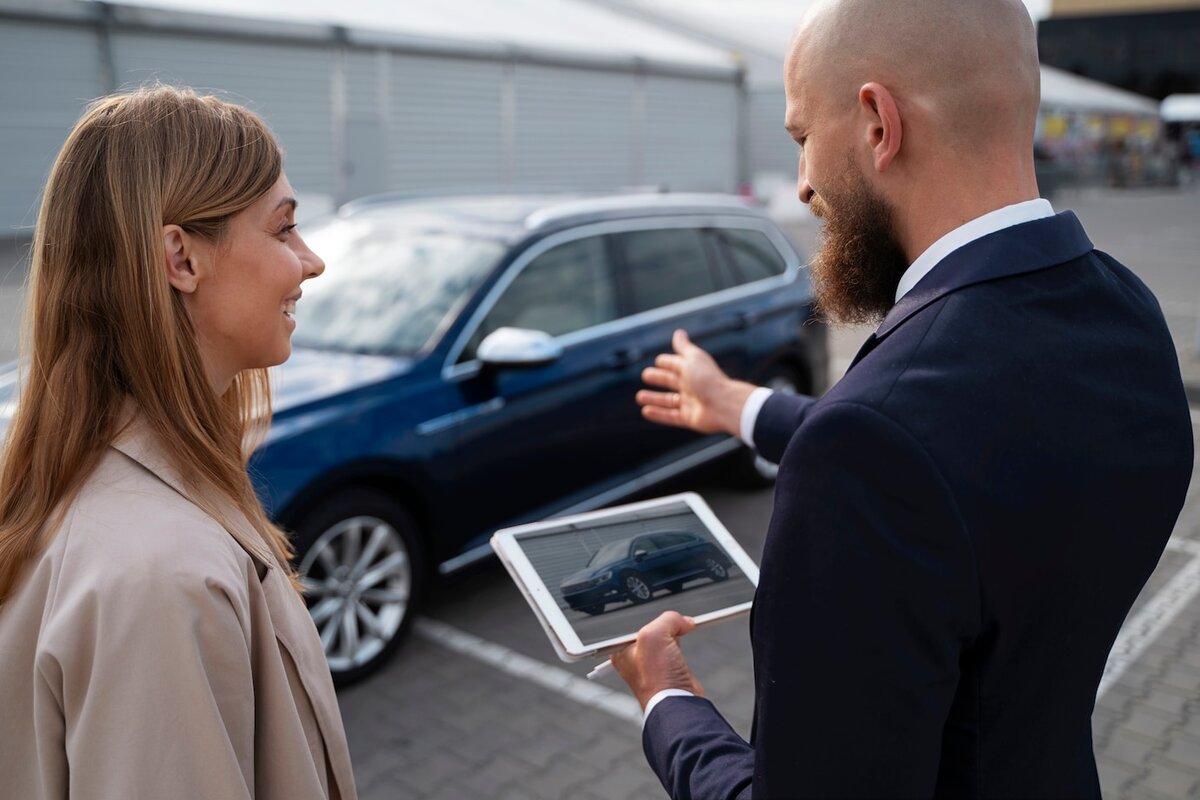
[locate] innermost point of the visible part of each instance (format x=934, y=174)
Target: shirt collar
x=1001, y=218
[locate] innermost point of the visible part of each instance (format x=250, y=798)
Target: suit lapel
x=1028, y=247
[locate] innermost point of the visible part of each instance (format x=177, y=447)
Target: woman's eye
x=287, y=229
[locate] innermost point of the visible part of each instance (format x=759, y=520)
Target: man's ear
x=883, y=127
x=180, y=259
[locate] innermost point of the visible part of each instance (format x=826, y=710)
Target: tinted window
x=567, y=288
x=645, y=544
x=752, y=253
x=666, y=266
x=672, y=539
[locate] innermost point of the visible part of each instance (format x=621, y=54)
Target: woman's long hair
x=103, y=326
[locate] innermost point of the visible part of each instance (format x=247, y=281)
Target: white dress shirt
x=998, y=220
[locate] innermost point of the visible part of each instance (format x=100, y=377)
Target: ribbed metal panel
x=771, y=148
x=289, y=85
x=50, y=72
x=691, y=134
x=574, y=128
x=446, y=126
x=557, y=555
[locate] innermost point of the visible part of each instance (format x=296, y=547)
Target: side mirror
x=640, y=555
x=518, y=347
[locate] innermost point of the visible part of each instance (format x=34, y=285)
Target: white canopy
x=1181, y=108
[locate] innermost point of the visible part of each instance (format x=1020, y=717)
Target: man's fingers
x=669, y=362
x=663, y=379
x=680, y=341
x=663, y=416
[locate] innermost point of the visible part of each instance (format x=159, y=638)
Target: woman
x=154, y=644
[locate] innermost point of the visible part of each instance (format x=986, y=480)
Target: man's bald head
x=968, y=67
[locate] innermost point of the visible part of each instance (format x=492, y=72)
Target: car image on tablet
x=634, y=569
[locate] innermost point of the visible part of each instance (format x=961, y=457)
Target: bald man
x=962, y=523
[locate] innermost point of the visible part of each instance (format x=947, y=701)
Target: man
x=962, y=523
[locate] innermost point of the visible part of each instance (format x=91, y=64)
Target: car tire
x=715, y=569
x=749, y=470
x=362, y=567
x=636, y=588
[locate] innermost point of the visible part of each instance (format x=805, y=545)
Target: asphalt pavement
x=477, y=705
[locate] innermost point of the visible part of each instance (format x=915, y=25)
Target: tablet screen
x=610, y=573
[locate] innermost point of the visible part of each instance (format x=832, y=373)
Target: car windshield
x=613, y=551
x=386, y=288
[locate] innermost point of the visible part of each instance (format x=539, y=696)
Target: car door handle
x=623, y=358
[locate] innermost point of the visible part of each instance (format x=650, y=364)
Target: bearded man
x=962, y=523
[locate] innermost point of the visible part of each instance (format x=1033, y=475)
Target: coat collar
x=1027, y=247
x=137, y=440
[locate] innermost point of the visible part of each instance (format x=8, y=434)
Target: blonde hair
x=104, y=327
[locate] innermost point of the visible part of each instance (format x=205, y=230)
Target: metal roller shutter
x=289, y=85
x=691, y=134
x=445, y=126
x=574, y=128
x=50, y=72
x=771, y=149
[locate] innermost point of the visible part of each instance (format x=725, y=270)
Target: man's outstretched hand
x=698, y=395
x=654, y=662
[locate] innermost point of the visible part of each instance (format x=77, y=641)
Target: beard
x=858, y=266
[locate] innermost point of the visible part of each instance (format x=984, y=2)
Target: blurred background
x=512, y=96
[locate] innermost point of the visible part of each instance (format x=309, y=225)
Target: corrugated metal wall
x=556, y=555
x=48, y=72
x=356, y=120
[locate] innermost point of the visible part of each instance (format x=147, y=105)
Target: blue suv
x=470, y=363
x=634, y=569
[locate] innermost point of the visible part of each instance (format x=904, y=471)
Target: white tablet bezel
x=562, y=635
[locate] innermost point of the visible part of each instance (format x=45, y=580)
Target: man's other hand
x=655, y=662
x=698, y=394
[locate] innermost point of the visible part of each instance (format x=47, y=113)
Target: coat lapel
x=293, y=626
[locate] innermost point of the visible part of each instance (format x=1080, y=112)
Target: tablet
x=594, y=579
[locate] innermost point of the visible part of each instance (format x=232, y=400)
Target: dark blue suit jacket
x=961, y=525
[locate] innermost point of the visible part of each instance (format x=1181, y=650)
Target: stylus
x=602, y=669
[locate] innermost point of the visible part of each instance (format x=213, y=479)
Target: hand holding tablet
x=593, y=580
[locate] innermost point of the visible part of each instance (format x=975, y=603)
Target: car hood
x=311, y=375
x=308, y=376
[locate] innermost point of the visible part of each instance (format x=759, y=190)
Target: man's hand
x=699, y=395
x=654, y=662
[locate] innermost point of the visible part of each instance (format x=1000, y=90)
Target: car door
x=669, y=276
x=553, y=433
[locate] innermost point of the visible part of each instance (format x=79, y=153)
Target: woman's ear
x=883, y=127
x=179, y=259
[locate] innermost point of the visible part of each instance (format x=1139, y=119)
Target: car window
x=752, y=253
x=666, y=266
x=387, y=289
x=645, y=543
x=567, y=288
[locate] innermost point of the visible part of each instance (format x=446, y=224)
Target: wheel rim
x=357, y=580
x=784, y=385
x=714, y=568
x=638, y=588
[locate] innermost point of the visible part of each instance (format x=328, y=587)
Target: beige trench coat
x=146, y=655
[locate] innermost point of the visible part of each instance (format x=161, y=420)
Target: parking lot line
x=556, y=679
x=1140, y=630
